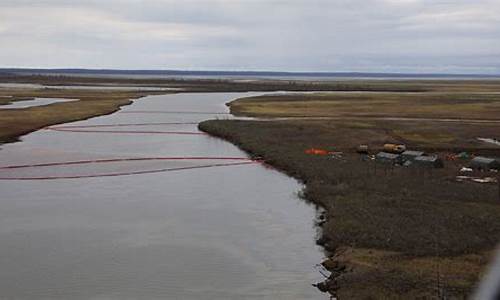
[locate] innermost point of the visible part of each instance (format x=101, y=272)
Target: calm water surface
x=34, y=102
x=235, y=232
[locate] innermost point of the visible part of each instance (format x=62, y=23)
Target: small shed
x=411, y=155
x=389, y=158
x=484, y=163
x=428, y=161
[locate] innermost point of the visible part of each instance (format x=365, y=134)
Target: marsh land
x=95, y=101
x=389, y=232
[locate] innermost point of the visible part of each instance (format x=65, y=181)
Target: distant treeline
x=23, y=71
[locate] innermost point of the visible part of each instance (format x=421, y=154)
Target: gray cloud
x=302, y=35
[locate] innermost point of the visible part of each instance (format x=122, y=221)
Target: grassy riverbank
x=398, y=232
x=373, y=105
x=95, y=102
x=91, y=103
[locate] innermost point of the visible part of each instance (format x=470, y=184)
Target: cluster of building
x=398, y=155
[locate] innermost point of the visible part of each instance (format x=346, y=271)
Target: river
x=224, y=231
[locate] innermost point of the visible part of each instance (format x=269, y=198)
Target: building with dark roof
x=484, y=163
x=411, y=155
x=428, y=161
x=389, y=158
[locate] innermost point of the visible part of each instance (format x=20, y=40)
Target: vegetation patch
x=17, y=122
x=391, y=232
x=394, y=105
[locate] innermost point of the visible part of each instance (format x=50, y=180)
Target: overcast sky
x=446, y=36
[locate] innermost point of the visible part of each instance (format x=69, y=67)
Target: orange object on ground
x=314, y=151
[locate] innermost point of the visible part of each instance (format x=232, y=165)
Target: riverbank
x=390, y=232
x=395, y=232
x=175, y=233
x=91, y=103
x=95, y=102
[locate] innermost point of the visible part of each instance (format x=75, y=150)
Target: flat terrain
x=91, y=103
x=95, y=102
x=14, y=123
x=391, y=232
x=432, y=105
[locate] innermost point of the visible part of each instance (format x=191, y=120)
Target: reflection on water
x=237, y=232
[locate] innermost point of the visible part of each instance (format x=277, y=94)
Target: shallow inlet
x=34, y=102
x=232, y=232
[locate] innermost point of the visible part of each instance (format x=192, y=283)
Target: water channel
x=223, y=231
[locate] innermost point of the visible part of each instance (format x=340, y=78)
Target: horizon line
x=235, y=72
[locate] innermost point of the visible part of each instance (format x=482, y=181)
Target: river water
x=231, y=232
